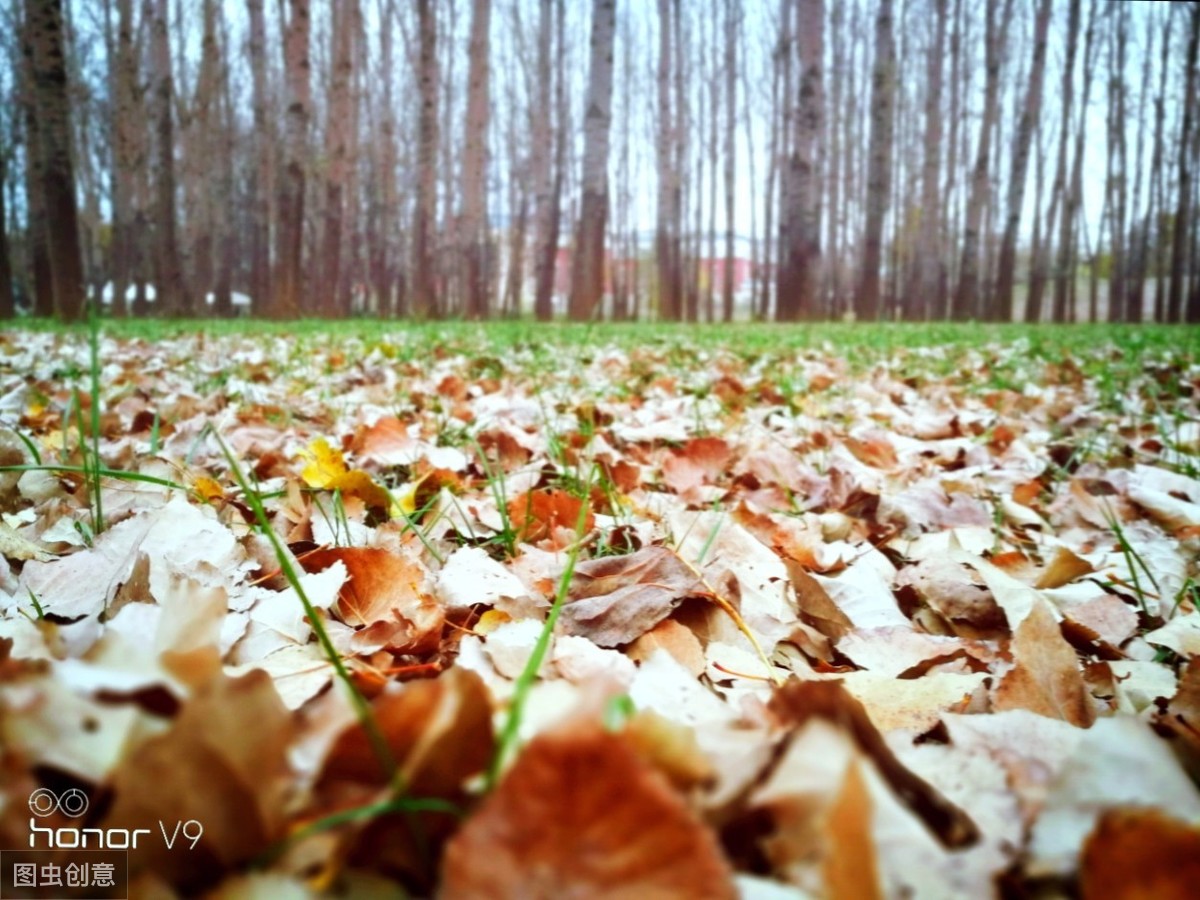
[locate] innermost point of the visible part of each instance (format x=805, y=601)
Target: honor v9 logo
x=74, y=804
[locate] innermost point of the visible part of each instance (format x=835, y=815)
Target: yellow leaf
x=357, y=483
x=325, y=464
x=208, y=488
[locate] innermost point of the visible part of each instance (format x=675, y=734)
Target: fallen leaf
x=1064, y=568
x=555, y=828
x=616, y=599
x=1046, y=678
x=538, y=514
x=383, y=586
x=223, y=763
x=851, y=872
x=1140, y=854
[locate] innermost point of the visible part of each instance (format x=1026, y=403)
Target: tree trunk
x=291, y=297
x=879, y=175
x=929, y=258
x=587, y=275
x=473, y=238
x=8, y=306
x=171, y=298
x=51, y=104
x=1022, y=142
x=260, y=179
x=338, y=132
x=1064, y=287
x=732, y=37
x=424, y=296
x=966, y=299
x=1179, y=243
x=540, y=171
x=667, y=237
x=799, y=276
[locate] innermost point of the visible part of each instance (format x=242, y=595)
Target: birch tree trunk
x=473, y=222
x=44, y=33
x=424, y=295
x=733, y=24
x=926, y=298
x=587, y=276
x=540, y=165
x=1023, y=141
x=290, y=296
x=879, y=174
x=1180, y=235
x=966, y=299
x=338, y=132
x=171, y=297
x=667, y=237
x=799, y=276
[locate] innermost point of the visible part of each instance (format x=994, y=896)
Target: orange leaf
x=1047, y=679
x=537, y=514
x=1140, y=854
x=226, y=750
x=850, y=869
x=383, y=586
x=580, y=814
x=1063, y=569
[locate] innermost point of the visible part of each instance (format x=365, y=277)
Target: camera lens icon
x=72, y=802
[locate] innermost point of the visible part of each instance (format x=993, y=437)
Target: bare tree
x=290, y=294
x=541, y=160
x=168, y=267
x=1022, y=142
x=587, y=276
x=925, y=297
x=44, y=34
x=8, y=306
x=667, y=229
x=966, y=299
x=473, y=221
x=260, y=180
x=799, y=276
x=1064, y=286
x=883, y=91
x=733, y=28
x=338, y=133
x=1179, y=237
x=425, y=215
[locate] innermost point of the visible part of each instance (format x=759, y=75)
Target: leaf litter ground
x=834, y=623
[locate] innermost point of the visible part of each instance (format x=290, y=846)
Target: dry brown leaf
x=222, y=763
x=850, y=868
x=816, y=607
x=798, y=701
x=581, y=815
x=1182, y=715
x=1064, y=568
x=616, y=599
x=1046, y=678
x=383, y=586
x=677, y=639
x=536, y=515
x=1140, y=854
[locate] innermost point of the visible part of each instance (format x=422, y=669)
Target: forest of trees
x=696, y=160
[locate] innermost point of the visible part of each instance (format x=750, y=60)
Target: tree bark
x=966, y=299
x=540, y=169
x=799, y=264
x=260, y=179
x=473, y=238
x=8, y=306
x=879, y=174
x=424, y=297
x=1022, y=142
x=587, y=276
x=291, y=297
x=338, y=132
x=928, y=279
x=1064, y=286
x=44, y=24
x=667, y=237
x=1179, y=243
x=171, y=297
x=733, y=24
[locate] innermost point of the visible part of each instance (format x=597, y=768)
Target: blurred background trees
x=696, y=160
